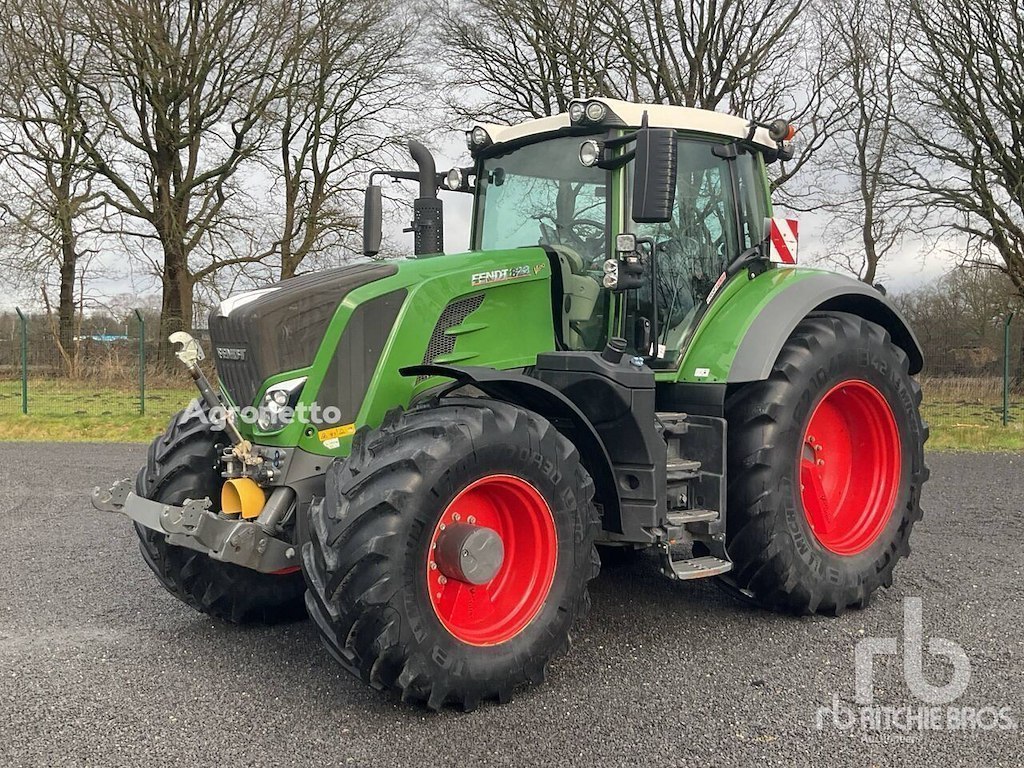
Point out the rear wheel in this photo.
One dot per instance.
(826, 464)
(451, 553)
(183, 463)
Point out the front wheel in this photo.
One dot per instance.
(826, 464)
(184, 463)
(451, 553)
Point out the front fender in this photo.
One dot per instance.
(543, 399)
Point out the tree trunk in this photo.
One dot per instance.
(66, 302)
(289, 263)
(176, 306)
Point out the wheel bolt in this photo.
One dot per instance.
(433, 565)
(817, 447)
(821, 462)
(471, 520)
(455, 517)
(442, 526)
(810, 438)
(442, 580)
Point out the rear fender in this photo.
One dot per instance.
(820, 292)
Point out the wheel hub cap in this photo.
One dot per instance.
(469, 553)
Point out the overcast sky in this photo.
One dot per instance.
(903, 271)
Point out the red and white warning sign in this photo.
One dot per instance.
(782, 240)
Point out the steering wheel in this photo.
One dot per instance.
(597, 232)
(575, 237)
(598, 226)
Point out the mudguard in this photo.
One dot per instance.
(543, 399)
(819, 292)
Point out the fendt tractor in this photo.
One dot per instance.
(431, 456)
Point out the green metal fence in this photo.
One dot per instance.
(99, 371)
(974, 374)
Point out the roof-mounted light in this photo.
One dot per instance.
(477, 138)
(596, 111)
(591, 112)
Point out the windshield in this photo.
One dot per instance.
(541, 194)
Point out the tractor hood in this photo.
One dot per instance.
(257, 334)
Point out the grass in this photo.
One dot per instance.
(70, 411)
(973, 426)
(964, 416)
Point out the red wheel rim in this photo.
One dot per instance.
(850, 467)
(494, 612)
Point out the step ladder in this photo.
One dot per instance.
(679, 472)
(692, 568)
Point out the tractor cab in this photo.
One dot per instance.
(641, 208)
(570, 184)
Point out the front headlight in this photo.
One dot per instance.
(277, 408)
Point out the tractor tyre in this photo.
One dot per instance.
(401, 603)
(826, 465)
(184, 463)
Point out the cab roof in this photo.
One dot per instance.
(629, 114)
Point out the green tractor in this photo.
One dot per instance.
(432, 455)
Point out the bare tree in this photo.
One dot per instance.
(522, 58)
(175, 96)
(858, 174)
(966, 76)
(346, 96)
(49, 199)
(708, 54)
(760, 58)
(959, 320)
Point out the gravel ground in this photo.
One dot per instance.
(99, 666)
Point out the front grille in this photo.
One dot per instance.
(239, 377)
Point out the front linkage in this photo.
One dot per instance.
(248, 543)
(193, 525)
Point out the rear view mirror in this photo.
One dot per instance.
(373, 214)
(654, 176)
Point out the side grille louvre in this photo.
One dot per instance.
(454, 314)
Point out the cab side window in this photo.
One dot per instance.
(695, 247)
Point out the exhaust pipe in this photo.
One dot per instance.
(427, 209)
